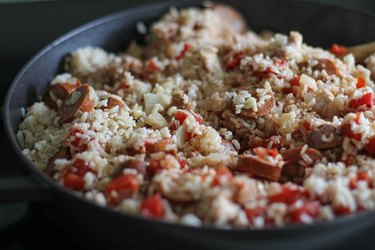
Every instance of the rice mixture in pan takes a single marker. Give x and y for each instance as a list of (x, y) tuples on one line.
[(211, 124)]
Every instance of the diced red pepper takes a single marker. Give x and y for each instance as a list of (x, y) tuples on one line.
[(183, 52), (182, 163), (310, 209), (353, 183), (349, 160), (287, 195), (181, 117), (370, 146), (361, 82), (263, 152), (82, 167), (153, 207), (234, 61), (341, 210), (73, 181), (295, 81), (347, 131), (221, 171), (252, 213), (153, 167), (338, 50), (363, 176), (151, 66), (77, 143), (125, 185), (366, 100)]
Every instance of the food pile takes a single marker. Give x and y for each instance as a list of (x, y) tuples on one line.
[(211, 124)]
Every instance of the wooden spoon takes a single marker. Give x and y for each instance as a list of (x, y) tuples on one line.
[(360, 52)]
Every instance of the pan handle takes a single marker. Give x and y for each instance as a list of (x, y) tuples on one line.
[(23, 189)]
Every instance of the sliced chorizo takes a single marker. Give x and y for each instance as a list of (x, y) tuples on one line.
[(139, 166), (58, 91), (164, 145), (258, 167), (327, 65), (324, 137), (80, 99), (295, 164), (63, 153), (113, 102)]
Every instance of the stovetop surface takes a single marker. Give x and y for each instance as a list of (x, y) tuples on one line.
[(25, 29)]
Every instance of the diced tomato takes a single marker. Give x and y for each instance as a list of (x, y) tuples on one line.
[(186, 48), (82, 167), (182, 163), (181, 117), (125, 185), (361, 82), (153, 207), (288, 90), (151, 66), (295, 81), (341, 210), (353, 183), (73, 181), (338, 50), (153, 167), (370, 146), (310, 209), (287, 195), (363, 176), (280, 63), (263, 152), (77, 143), (307, 125), (366, 100), (347, 131), (220, 172), (349, 160), (234, 61), (252, 213)]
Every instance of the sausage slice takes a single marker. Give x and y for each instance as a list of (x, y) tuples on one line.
[(258, 167), (327, 65), (80, 99), (58, 91), (324, 137), (63, 153)]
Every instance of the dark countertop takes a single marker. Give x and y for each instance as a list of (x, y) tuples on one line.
[(25, 29)]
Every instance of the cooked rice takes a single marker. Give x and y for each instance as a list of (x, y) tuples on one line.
[(197, 96)]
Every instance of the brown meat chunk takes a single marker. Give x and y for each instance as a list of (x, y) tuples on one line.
[(294, 168), (78, 100), (258, 167), (331, 133), (164, 145), (58, 91), (138, 165), (327, 65), (63, 153), (112, 102)]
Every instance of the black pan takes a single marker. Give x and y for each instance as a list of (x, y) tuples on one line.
[(100, 227)]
